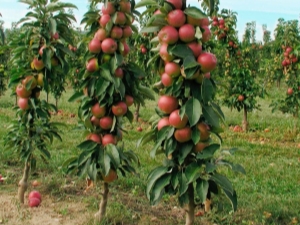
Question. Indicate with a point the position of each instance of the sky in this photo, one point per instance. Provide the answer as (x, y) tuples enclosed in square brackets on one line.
[(261, 11)]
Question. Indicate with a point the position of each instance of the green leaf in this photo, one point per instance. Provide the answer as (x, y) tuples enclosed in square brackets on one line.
[(185, 149), (195, 134), (150, 29), (114, 155), (75, 96), (158, 188), (180, 50), (195, 12), (183, 184), (83, 157), (149, 136), (232, 197), (87, 145), (193, 111), (207, 90), (47, 57), (146, 3), (52, 25), (153, 177), (212, 118), (202, 189), (223, 182), (210, 167), (208, 152), (192, 172)]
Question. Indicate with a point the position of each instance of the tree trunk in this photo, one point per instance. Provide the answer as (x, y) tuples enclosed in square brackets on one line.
[(190, 211), (23, 184), (102, 206), (137, 112), (245, 120)]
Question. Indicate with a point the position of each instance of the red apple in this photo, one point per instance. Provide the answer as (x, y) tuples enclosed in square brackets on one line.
[(163, 122), (106, 122), (119, 109), (95, 46), (207, 61), (183, 135), (187, 33), (98, 111), (109, 139), (109, 46), (167, 104), (176, 18), (176, 121), (168, 34)]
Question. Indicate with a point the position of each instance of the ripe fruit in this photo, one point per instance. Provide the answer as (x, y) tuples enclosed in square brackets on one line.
[(95, 121), (119, 72), (144, 50), (139, 129), (176, 121), (172, 69), (207, 61), (35, 183), (120, 18), (167, 104), (95, 46), (127, 31), (92, 65), (163, 122), (35, 194), (176, 3), (168, 35), (241, 98), (55, 36), (38, 64), (94, 137), (34, 202), (125, 7), (98, 111), (22, 92), (104, 20), (183, 135), (109, 46), (166, 80), (204, 131), (119, 109), (196, 48), (100, 34), (290, 91), (116, 32), (206, 34), (186, 33), (23, 103), (204, 22), (125, 50), (200, 146), (110, 177), (129, 100), (164, 54), (108, 8), (106, 122), (108, 139), (176, 18)]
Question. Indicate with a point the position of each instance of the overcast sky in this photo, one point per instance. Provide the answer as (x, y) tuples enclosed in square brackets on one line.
[(262, 11)]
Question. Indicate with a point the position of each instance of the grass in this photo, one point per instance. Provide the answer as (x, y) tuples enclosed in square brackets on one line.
[(267, 194)]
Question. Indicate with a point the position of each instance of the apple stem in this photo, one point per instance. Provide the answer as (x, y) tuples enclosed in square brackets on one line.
[(23, 184), (102, 206), (190, 211)]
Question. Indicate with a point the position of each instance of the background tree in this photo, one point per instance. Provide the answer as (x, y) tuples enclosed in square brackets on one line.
[(38, 55)]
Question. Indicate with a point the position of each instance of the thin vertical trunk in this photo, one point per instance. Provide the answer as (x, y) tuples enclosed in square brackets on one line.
[(23, 183), (245, 119), (190, 211), (102, 206), (137, 112)]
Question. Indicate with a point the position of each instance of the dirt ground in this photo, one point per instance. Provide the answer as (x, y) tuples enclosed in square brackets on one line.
[(48, 213)]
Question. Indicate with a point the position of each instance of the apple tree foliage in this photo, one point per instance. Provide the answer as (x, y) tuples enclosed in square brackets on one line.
[(288, 31), (190, 169), (240, 80), (32, 70), (3, 59), (109, 85)]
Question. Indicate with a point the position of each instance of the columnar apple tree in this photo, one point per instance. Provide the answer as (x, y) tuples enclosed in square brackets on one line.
[(290, 68), (241, 88), (40, 43), (110, 85), (188, 122)]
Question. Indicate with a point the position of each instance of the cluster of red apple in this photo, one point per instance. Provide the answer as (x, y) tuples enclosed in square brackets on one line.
[(104, 45), (34, 199), (221, 30), (289, 58), (29, 87), (181, 29), (108, 43)]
